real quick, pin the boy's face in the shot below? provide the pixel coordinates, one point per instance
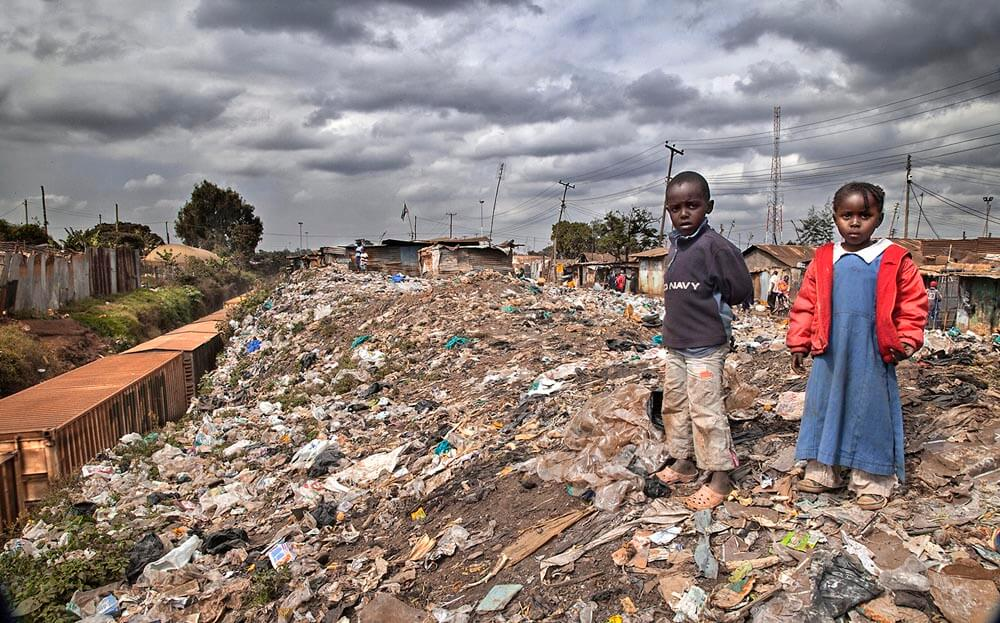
(687, 207)
(855, 222)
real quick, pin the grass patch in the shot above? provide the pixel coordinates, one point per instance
(133, 317)
(51, 579)
(21, 357)
(267, 584)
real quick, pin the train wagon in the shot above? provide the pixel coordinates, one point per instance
(198, 349)
(52, 429)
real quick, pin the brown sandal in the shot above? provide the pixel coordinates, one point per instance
(808, 485)
(704, 498)
(872, 502)
(670, 477)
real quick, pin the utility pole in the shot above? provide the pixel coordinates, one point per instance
(481, 222)
(100, 219)
(414, 226)
(116, 218)
(25, 211)
(670, 170)
(300, 235)
(45, 214)
(774, 202)
(555, 235)
(166, 230)
(451, 220)
(986, 228)
(307, 241)
(497, 194)
(892, 223)
(906, 200)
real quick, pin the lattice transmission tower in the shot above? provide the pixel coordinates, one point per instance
(776, 201)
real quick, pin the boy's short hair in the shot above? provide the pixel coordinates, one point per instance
(692, 177)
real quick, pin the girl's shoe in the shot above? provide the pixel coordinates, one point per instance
(809, 485)
(704, 498)
(872, 502)
(669, 477)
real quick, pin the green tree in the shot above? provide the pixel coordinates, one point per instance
(816, 228)
(133, 235)
(31, 233)
(573, 238)
(220, 221)
(623, 234)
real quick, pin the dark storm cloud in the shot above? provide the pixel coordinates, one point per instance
(659, 97)
(768, 77)
(82, 48)
(510, 101)
(284, 138)
(337, 23)
(887, 39)
(110, 111)
(316, 17)
(372, 160)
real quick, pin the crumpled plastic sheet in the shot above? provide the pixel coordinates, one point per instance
(610, 432)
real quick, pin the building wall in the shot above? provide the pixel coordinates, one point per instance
(651, 276)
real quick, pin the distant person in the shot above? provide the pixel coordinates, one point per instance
(363, 261)
(610, 283)
(705, 277)
(620, 282)
(358, 250)
(933, 305)
(860, 311)
(781, 294)
(772, 289)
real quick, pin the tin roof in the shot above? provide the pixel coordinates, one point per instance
(54, 402)
(654, 252)
(790, 255)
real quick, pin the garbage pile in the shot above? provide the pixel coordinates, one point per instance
(480, 449)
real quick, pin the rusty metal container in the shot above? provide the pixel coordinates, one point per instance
(56, 426)
(198, 348)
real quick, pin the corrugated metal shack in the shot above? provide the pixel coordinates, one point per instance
(787, 259)
(534, 266)
(36, 279)
(457, 256)
(652, 266)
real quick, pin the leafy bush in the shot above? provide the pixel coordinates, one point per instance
(20, 359)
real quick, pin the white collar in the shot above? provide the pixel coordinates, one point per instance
(869, 254)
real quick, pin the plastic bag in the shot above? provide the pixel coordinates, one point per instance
(175, 559)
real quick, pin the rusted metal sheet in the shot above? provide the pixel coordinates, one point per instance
(10, 483)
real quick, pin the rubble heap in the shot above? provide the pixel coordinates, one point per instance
(479, 449)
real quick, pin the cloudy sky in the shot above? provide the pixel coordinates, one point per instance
(335, 113)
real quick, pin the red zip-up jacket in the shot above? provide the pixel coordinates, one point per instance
(900, 305)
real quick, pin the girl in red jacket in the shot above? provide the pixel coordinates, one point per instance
(861, 309)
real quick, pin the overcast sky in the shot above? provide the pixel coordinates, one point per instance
(335, 113)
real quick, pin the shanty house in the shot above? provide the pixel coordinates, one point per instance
(652, 265)
(787, 259)
(533, 265)
(443, 258)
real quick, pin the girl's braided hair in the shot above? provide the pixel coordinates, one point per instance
(865, 189)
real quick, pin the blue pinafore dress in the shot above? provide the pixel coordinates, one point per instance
(853, 417)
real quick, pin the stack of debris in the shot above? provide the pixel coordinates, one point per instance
(479, 449)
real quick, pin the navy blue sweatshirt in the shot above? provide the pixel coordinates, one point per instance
(705, 276)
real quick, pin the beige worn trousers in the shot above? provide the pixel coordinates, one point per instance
(861, 482)
(693, 413)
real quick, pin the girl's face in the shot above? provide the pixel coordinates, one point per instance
(855, 222)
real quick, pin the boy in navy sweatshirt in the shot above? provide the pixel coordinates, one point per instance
(705, 277)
